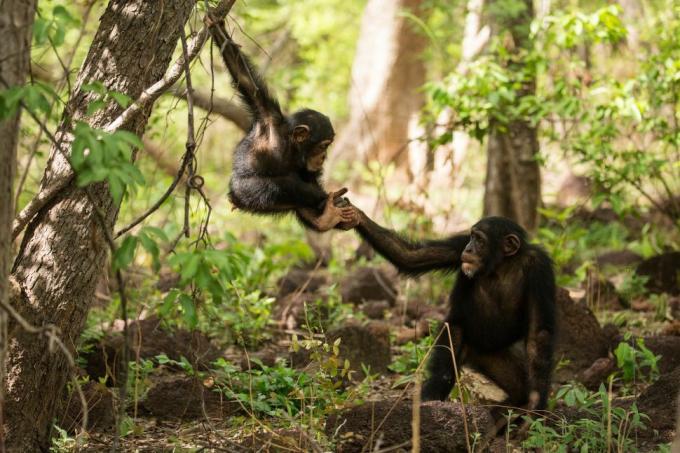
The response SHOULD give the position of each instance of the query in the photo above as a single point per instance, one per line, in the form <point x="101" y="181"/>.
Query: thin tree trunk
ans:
<point x="386" y="74"/>
<point x="513" y="181"/>
<point x="16" y="25"/>
<point x="63" y="251"/>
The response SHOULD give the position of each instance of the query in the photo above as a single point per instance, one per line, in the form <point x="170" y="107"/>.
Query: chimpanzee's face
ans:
<point x="475" y="252"/>
<point x="490" y="243"/>
<point x="317" y="157"/>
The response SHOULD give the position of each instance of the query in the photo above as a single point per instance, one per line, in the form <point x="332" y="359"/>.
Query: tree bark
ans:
<point x="387" y="72"/>
<point x="63" y="251"/>
<point x="16" y="25"/>
<point x="513" y="180"/>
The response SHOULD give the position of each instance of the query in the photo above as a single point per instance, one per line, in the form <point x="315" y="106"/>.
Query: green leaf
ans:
<point x="125" y="253"/>
<point x="95" y="106"/>
<point x="96" y="86"/>
<point x="122" y="99"/>
<point x="117" y="189"/>
<point x="190" y="267"/>
<point x="150" y="246"/>
<point x="130" y="138"/>
<point x="189" y="310"/>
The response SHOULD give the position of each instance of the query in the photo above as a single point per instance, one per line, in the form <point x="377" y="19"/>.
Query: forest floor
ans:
<point x="335" y="364"/>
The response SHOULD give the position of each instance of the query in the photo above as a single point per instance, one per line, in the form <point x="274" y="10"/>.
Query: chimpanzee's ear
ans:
<point x="511" y="244"/>
<point x="300" y="133"/>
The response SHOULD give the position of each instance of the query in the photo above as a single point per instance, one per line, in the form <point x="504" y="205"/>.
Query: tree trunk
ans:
<point x="513" y="180"/>
<point x="63" y="251"/>
<point x="16" y="24"/>
<point x="387" y="72"/>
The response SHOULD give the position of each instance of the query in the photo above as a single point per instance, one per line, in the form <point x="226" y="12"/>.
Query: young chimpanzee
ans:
<point x="504" y="295"/>
<point x="277" y="166"/>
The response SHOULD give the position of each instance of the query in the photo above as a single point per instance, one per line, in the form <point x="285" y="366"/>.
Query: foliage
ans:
<point x="281" y="391"/>
<point x="636" y="363"/>
<point x="623" y="131"/>
<point x="323" y="34"/>
<point x="601" y="427"/>
<point x="63" y="442"/>
<point x="227" y="283"/>
<point x="410" y="359"/>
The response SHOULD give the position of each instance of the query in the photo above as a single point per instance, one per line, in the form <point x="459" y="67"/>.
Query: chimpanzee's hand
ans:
<point x="333" y="215"/>
<point x="353" y="222"/>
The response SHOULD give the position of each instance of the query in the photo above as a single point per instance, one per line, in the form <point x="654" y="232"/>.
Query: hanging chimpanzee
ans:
<point x="277" y="166"/>
<point x="504" y="295"/>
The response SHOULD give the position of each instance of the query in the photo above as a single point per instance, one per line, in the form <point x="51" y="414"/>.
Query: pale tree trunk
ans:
<point x="64" y="252"/>
<point x="16" y="24"/>
<point x="513" y="180"/>
<point x="387" y="72"/>
<point x="444" y="176"/>
<point x="633" y="14"/>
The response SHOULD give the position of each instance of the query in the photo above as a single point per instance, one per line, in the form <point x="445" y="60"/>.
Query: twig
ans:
<point x="191" y="141"/>
<point x="460" y="388"/>
<point x="161" y="200"/>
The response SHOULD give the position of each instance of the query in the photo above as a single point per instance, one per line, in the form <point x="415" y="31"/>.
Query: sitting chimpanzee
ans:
<point x="505" y="293"/>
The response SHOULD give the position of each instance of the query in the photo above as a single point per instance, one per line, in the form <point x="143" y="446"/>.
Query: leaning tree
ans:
<point x="67" y="226"/>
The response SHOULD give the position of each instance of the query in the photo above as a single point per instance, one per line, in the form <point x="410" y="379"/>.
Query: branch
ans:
<point x="229" y="110"/>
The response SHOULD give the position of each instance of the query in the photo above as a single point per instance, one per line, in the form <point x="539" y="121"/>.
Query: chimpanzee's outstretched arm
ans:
<point x="541" y="334"/>
<point x="412" y="258"/>
<point x="250" y="85"/>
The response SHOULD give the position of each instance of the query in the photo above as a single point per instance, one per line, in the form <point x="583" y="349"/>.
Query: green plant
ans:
<point x="601" y="427"/>
<point x="281" y="391"/>
<point x="633" y="286"/>
<point x="410" y="357"/>
<point x="636" y="363"/>
<point x="63" y="443"/>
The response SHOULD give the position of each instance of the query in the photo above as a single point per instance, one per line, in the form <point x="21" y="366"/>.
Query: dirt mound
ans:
<point x="598" y="372"/>
<point x="662" y="271"/>
<point x="386" y="425"/>
<point x="280" y="441"/>
<point x="368" y="345"/>
<point x="100" y="408"/>
<point x="301" y="280"/>
<point x="375" y="309"/>
<point x="668" y="347"/>
<point x="659" y="401"/>
<point x="618" y="258"/>
<point x="152" y="339"/>
<point x="602" y="294"/>
<point x="183" y="397"/>
<point x="289" y="310"/>
<point x="580" y="339"/>
<point x="368" y="283"/>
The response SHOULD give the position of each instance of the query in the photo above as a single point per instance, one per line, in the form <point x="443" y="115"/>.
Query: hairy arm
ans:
<point x="541" y="333"/>
<point x="412" y="258"/>
<point x="250" y="85"/>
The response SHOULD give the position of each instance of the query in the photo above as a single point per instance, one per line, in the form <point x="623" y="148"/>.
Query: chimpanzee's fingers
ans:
<point x="339" y="193"/>
<point x="341" y="202"/>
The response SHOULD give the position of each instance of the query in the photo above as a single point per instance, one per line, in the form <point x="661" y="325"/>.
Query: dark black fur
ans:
<point x="502" y="319"/>
<point x="269" y="173"/>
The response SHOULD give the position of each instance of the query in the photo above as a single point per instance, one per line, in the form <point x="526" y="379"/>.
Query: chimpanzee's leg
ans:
<point x="506" y="369"/>
<point x="442" y="376"/>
